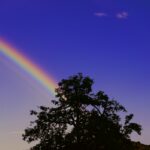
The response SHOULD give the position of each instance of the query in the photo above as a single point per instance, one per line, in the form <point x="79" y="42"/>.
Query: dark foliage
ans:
<point x="81" y="120"/>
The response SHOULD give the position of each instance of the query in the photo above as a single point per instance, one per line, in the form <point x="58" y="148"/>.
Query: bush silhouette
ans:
<point x="81" y="119"/>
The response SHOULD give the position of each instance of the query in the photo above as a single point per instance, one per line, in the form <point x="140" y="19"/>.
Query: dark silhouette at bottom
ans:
<point x="81" y="120"/>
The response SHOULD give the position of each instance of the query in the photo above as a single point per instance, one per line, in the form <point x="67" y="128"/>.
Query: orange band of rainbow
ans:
<point x="24" y="63"/>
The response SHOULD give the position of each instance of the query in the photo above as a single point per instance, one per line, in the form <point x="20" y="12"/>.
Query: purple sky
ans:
<point x="105" y="39"/>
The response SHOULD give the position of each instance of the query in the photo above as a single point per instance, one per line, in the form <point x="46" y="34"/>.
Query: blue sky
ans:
<point x="105" y="39"/>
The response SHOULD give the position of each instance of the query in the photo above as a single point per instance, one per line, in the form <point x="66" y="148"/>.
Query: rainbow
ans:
<point x="27" y="65"/>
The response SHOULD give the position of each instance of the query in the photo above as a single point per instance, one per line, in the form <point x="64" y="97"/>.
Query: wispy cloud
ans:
<point x="119" y="15"/>
<point x="100" y="14"/>
<point x="122" y="15"/>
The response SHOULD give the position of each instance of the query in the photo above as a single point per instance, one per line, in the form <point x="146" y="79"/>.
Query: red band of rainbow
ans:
<point x="24" y="63"/>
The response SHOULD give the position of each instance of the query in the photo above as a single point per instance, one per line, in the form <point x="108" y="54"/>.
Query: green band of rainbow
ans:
<point x="24" y="63"/>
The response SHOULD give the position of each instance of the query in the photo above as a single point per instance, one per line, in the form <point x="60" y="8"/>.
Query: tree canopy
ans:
<point x="81" y="119"/>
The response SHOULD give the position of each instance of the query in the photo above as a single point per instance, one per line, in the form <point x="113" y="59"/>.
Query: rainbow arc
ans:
<point x="27" y="65"/>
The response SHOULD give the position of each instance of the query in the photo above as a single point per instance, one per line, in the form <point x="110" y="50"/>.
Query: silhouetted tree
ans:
<point x="81" y="119"/>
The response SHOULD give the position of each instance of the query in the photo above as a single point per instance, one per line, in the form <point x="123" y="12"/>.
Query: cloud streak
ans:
<point x="100" y="14"/>
<point x="119" y="15"/>
<point x="122" y="15"/>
